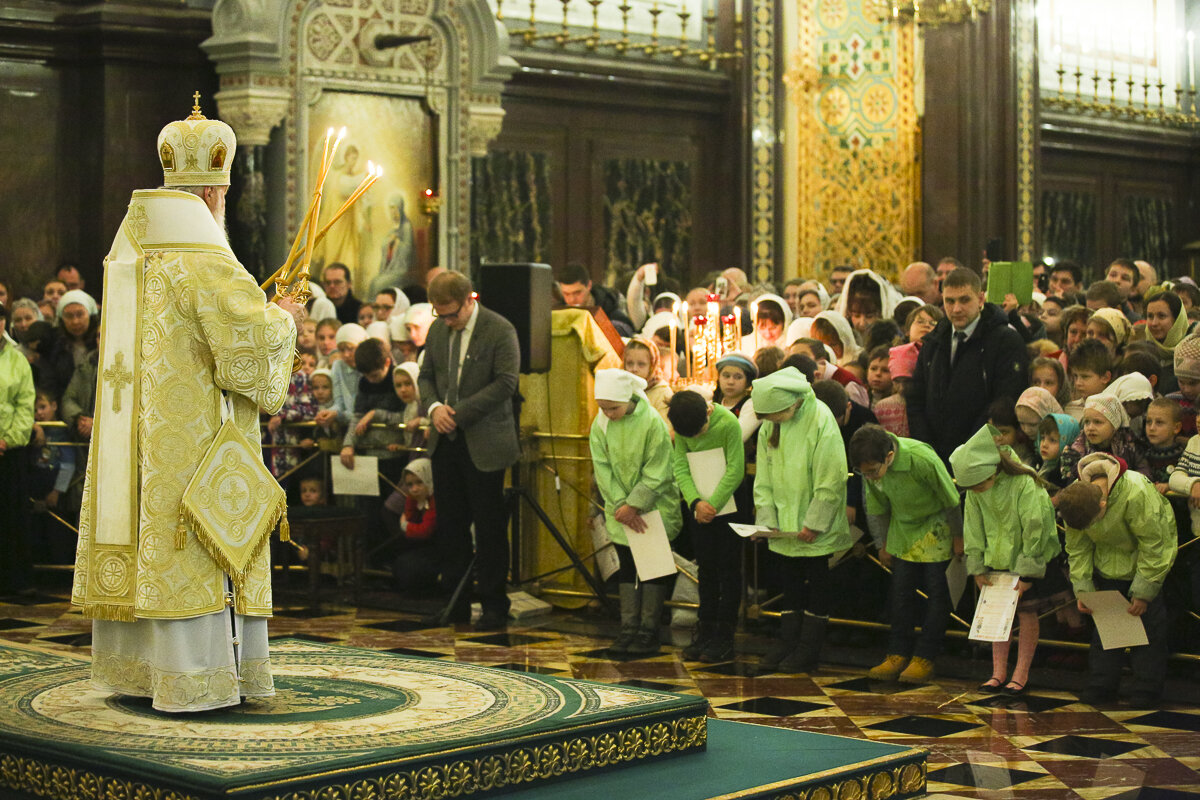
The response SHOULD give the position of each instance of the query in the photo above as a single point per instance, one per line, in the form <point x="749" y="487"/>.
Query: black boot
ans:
<point x="720" y="646"/>
<point x="789" y="636"/>
<point x="631" y="606"/>
<point x="807" y="654"/>
<point x="700" y="639"/>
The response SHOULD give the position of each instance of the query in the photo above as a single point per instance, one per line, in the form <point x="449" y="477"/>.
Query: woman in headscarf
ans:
<point x="771" y="320"/>
<point x="835" y="332"/>
<point x="78" y="330"/>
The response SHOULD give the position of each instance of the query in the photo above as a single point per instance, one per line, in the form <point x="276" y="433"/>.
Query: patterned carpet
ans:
<point x="1046" y="746"/>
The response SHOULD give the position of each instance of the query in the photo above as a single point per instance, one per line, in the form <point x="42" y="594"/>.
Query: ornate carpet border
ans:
<point x="887" y="778"/>
<point x="491" y="771"/>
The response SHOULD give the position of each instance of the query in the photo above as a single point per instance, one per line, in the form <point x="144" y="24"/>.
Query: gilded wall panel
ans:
<point x="855" y="152"/>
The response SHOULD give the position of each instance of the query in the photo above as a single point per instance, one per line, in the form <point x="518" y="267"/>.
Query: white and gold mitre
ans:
<point x="196" y="151"/>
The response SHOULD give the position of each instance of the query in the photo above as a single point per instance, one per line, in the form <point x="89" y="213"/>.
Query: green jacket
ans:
<point x="907" y="506"/>
<point x="802" y="483"/>
<point x="1134" y="540"/>
<point x="724" y="432"/>
<point x="631" y="461"/>
<point x="1010" y="528"/>
<point x="16" y="396"/>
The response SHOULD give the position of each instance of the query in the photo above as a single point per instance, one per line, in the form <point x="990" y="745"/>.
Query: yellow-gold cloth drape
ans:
<point x="561" y="402"/>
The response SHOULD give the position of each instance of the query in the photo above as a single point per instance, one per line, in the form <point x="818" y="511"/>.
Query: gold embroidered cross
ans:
<point x="117" y="376"/>
<point x="232" y="496"/>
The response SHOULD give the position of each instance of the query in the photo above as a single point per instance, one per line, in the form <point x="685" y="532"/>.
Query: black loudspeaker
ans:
<point x="521" y="294"/>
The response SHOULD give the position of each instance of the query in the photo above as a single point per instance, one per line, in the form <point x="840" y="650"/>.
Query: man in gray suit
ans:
<point x="469" y="378"/>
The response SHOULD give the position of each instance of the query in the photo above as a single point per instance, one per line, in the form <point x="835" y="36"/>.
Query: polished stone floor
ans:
<point x="1045" y="746"/>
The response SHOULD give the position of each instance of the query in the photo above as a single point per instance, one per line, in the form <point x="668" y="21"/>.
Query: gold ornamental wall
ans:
<point x="852" y="140"/>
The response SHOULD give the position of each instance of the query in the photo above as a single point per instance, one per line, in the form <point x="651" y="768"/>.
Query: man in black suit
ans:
<point x="469" y="377"/>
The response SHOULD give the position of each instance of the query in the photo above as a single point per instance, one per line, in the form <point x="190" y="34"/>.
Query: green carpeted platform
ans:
<point x="758" y="761"/>
<point x="353" y="724"/>
<point x="345" y="724"/>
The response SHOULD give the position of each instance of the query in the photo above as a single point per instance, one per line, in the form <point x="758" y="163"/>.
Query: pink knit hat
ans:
<point x="902" y="360"/>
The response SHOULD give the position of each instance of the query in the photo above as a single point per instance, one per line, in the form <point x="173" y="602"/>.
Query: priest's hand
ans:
<point x="443" y="419"/>
<point x="347" y="457"/>
<point x="299" y="314"/>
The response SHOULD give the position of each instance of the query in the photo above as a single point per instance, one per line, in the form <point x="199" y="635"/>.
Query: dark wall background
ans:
<point x="612" y="168"/>
<point x="84" y="91"/>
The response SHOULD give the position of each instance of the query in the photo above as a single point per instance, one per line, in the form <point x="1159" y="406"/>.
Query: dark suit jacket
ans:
<point x="486" y="387"/>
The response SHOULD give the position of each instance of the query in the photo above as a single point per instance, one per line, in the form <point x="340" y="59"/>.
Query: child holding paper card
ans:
<point x="914" y="518"/>
<point x="707" y="428"/>
<point x="800" y="487"/>
<point x="1121" y="536"/>
<point x="631" y="461"/>
<point x="1009" y="527"/>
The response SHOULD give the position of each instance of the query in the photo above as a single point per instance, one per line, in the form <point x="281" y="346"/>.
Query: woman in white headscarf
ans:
<point x="835" y="332"/>
<point x="772" y="317"/>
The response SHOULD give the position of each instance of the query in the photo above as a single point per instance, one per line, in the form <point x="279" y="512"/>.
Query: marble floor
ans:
<point x="1046" y="746"/>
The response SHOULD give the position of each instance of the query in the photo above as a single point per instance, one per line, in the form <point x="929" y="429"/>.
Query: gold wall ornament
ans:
<point x="928" y="12"/>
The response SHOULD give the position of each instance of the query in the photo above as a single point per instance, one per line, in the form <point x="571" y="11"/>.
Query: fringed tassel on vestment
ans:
<point x="181" y="532"/>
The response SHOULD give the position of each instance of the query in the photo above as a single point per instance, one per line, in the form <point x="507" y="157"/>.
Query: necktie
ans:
<point x="959" y="338"/>
<point x="455" y="352"/>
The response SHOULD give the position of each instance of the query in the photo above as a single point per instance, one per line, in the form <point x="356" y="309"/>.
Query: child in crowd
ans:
<point x="879" y="376"/>
<point x="1187" y="375"/>
<point x="768" y="359"/>
<point x="735" y="372"/>
<point x="1121" y="536"/>
<point x="375" y="397"/>
<point x="1034" y="405"/>
<point x="1164" y="445"/>
<point x="300" y="406"/>
<point x="702" y="426"/>
<point x="631" y="460"/>
<point x="892" y="412"/>
<point x="641" y="358"/>
<point x="1009" y="527"/>
<point x="1091" y="372"/>
<point x="327" y="349"/>
<point x="306" y="337"/>
<point x="1135" y="393"/>
<point x="1105" y="430"/>
<point x="1055" y="433"/>
<point x="1002" y="416"/>
<point x="914" y="519"/>
<point x="800" y="488"/>
<point x="345" y="375"/>
<point x="53" y="462"/>
<point x="410" y="520"/>
<point x="326" y="416"/>
<point x="1185" y="480"/>
<point x="1049" y="374"/>
<point x="1110" y="327"/>
<point x="404" y="381"/>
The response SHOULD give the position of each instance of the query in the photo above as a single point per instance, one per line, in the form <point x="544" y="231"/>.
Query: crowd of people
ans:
<point x="853" y="410"/>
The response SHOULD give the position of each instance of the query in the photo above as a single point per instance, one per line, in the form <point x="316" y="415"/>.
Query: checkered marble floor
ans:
<point x="1046" y="746"/>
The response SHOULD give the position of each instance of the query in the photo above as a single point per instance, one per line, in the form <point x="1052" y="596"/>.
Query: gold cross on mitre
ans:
<point x="196" y="107"/>
<point x="117" y="376"/>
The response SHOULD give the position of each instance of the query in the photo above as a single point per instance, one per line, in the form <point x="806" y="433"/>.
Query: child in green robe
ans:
<point x="800" y="490"/>
<point x="701" y="426"/>
<point x="1121" y="536"/>
<point x="914" y="518"/>
<point x="1009" y="528"/>
<point x="631" y="461"/>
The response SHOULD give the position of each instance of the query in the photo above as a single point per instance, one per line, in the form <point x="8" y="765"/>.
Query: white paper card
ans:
<point x="1117" y="627"/>
<point x="995" y="609"/>
<point x="651" y="549"/>
<point x="362" y="480"/>
<point x="607" y="562"/>
<point x="707" y="468"/>
<point x="956" y="579"/>
<point x="762" y="531"/>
